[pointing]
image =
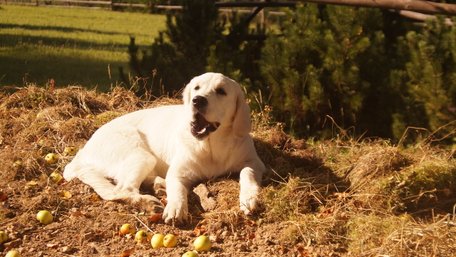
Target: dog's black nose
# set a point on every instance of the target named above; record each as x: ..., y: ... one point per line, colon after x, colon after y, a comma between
x: 199, y: 102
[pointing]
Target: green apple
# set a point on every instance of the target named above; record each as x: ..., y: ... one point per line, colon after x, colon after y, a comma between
x: 55, y: 177
x: 70, y: 150
x: 3, y: 236
x: 190, y: 254
x: 126, y: 229
x: 44, y: 217
x: 202, y: 243
x: 140, y: 236
x: 170, y: 241
x: 51, y: 158
x: 157, y: 240
x: 13, y: 253
x: 18, y: 164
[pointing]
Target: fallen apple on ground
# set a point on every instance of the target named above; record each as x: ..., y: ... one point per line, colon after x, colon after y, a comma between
x: 126, y: 229
x: 13, y: 253
x: 157, y: 240
x: 140, y: 236
x: 202, y: 243
x: 70, y: 150
x: 55, y: 177
x: 44, y: 217
x: 51, y: 158
x: 170, y: 241
x: 3, y: 236
x: 190, y: 254
x: 18, y: 164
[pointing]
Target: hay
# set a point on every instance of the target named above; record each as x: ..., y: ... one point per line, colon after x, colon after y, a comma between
x: 320, y: 198
x: 376, y: 162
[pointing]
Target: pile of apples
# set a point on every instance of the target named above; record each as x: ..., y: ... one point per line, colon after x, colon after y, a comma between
x: 158, y: 240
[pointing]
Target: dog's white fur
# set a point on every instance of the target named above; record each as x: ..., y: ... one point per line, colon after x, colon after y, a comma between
x: 141, y: 146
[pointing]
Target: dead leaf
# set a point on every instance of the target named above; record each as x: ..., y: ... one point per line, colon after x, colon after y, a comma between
x: 3, y: 197
x: 302, y: 250
x: 199, y: 230
x: 127, y: 253
x: 250, y: 223
x: 154, y: 218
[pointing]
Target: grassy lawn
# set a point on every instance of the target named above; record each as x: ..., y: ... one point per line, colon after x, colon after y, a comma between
x: 71, y: 46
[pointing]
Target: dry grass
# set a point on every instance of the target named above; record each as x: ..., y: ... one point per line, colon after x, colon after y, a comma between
x: 329, y: 198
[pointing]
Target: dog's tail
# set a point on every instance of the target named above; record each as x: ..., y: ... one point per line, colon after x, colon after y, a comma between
x: 91, y: 176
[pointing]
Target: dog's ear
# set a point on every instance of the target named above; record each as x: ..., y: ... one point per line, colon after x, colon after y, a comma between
x: 241, y: 122
x: 186, y: 94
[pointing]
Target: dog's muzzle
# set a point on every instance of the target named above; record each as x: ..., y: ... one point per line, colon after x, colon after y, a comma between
x: 201, y: 128
x: 200, y: 103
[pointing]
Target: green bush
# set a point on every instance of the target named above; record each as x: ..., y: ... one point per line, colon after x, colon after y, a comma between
x: 322, y: 66
x: 428, y: 79
x: 362, y: 70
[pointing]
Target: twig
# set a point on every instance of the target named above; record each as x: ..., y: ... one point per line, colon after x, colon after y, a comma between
x: 142, y: 222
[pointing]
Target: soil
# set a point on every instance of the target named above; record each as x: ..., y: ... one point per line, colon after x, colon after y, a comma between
x: 36, y: 121
x: 336, y: 198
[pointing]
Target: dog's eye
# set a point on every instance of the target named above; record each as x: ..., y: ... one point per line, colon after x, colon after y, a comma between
x: 220, y: 91
x: 197, y: 88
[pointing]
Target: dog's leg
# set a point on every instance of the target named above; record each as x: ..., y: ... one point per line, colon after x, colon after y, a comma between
x: 250, y: 180
x: 176, y: 194
x: 133, y: 170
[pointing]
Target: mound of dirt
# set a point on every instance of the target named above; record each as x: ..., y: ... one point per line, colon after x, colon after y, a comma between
x: 313, y: 201
x: 37, y: 121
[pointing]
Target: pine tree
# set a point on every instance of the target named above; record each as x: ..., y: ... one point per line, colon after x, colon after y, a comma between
x: 179, y: 53
x: 237, y: 52
x: 314, y: 68
x: 363, y: 70
x: 429, y: 75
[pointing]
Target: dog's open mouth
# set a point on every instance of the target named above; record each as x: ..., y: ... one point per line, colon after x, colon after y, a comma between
x: 201, y: 128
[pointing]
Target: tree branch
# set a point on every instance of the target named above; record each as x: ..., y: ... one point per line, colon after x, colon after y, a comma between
x: 422, y: 17
x: 408, y: 5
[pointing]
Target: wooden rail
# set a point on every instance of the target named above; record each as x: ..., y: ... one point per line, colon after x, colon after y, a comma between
x: 81, y: 3
x: 420, y: 6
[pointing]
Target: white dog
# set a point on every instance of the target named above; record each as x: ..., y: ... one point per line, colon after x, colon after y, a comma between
x: 206, y: 137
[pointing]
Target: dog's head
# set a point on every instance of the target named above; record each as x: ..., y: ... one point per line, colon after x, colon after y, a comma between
x: 216, y: 101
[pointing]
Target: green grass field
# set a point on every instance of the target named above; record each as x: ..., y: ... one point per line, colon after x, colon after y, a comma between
x: 72, y: 46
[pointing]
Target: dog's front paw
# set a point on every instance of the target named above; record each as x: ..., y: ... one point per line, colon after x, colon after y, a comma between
x: 175, y: 211
x: 249, y: 200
